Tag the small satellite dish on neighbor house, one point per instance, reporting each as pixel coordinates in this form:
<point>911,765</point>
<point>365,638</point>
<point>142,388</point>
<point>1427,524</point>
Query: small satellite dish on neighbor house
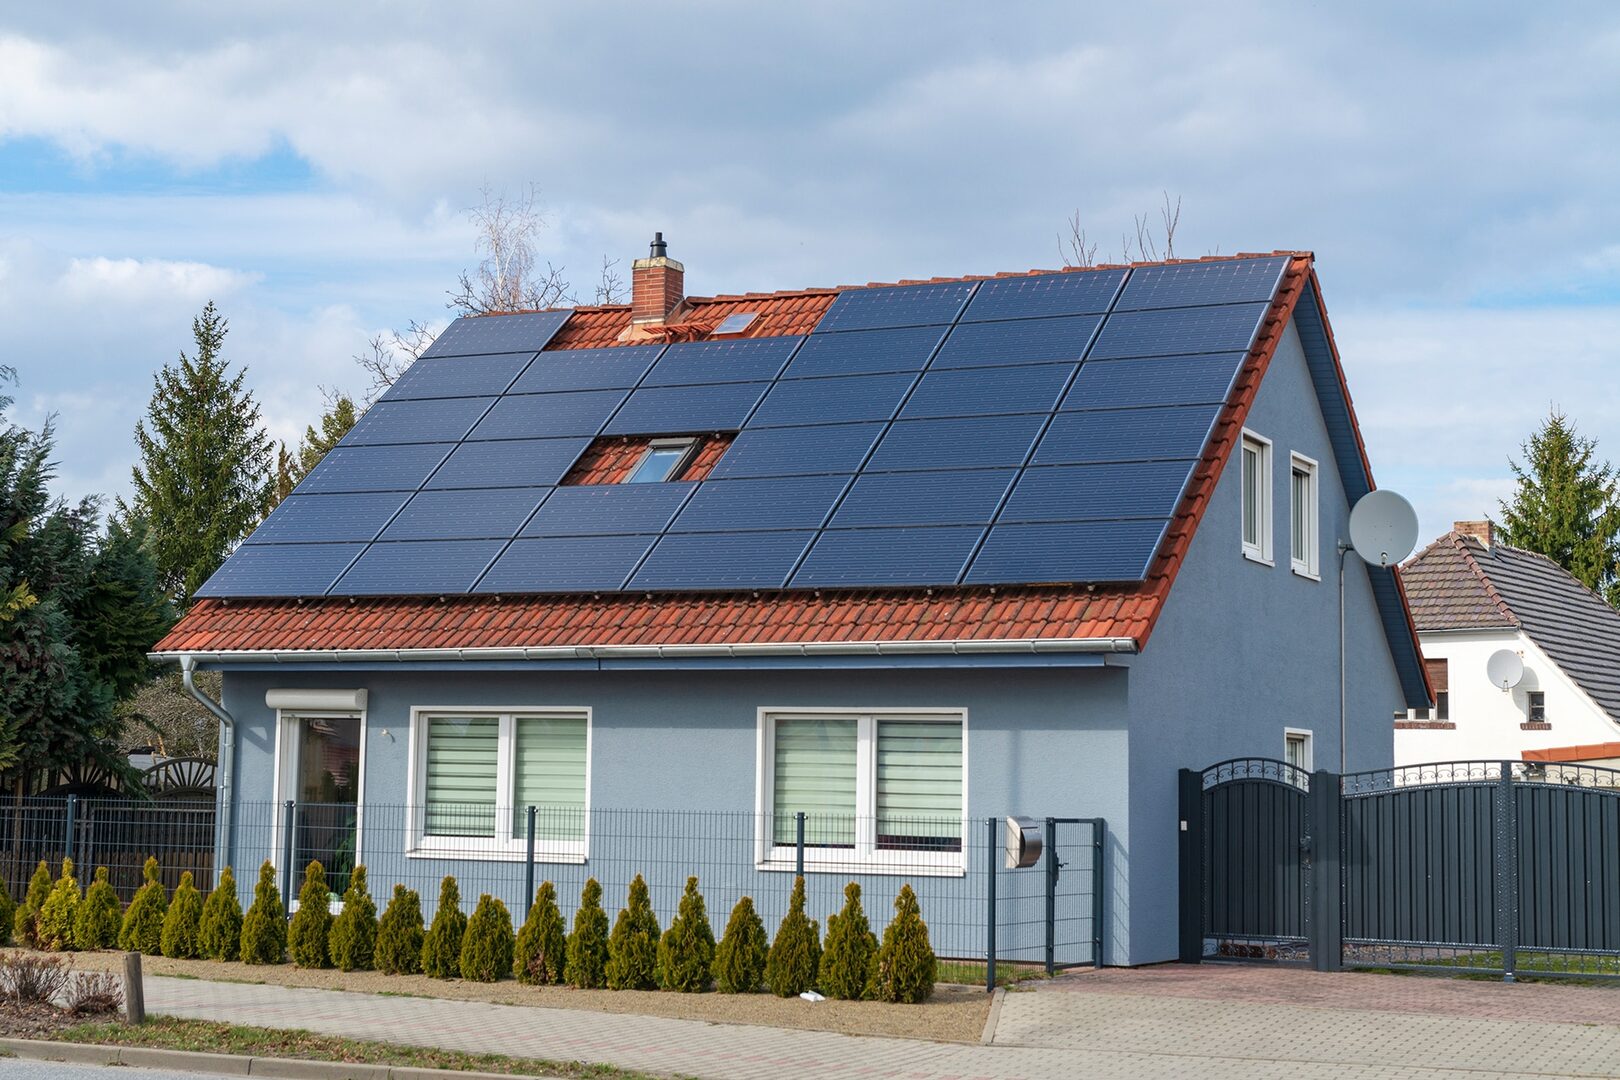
<point>1504,669</point>
<point>1383,528</point>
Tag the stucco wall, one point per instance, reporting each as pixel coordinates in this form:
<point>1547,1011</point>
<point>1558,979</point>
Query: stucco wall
<point>1244,650</point>
<point>1488,720</point>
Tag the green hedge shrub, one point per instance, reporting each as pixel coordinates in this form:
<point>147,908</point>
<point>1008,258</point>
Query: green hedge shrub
<point>8,914</point>
<point>633,948</point>
<point>588,944</point>
<point>542,945</point>
<point>353,941</point>
<point>486,947</point>
<point>221,935</point>
<point>60,911</point>
<point>400,934</point>
<point>264,928</point>
<point>739,959</point>
<point>846,963</point>
<point>100,915</point>
<point>312,922</point>
<point>686,951</point>
<point>905,962</point>
<point>441,950</point>
<point>25,921</point>
<point>182,926</point>
<point>790,967</point>
<point>142,931</point>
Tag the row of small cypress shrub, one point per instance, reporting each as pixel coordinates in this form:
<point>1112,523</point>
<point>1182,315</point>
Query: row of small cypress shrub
<point>634,955</point>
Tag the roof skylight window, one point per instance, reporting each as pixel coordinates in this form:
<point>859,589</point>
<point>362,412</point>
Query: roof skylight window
<point>663,460</point>
<point>735,324</point>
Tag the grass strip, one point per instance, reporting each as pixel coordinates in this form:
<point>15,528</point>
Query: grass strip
<point>206,1036</point>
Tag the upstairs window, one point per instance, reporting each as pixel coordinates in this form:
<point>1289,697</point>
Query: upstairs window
<point>1303,516</point>
<point>1256,481</point>
<point>662,461</point>
<point>1536,706</point>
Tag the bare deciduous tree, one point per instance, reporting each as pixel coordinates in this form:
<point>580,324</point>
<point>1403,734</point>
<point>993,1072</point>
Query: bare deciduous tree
<point>386,357</point>
<point>610,287</point>
<point>1078,249</point>
<point>508,277</point>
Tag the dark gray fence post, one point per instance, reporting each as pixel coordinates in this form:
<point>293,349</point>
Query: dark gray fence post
<point>1326,928</point>
<point>72,829</point>
<point>990,910</point>
<point>287,856</point>
<point>1506,812</point>
<point>1051,895</point>
<point>1190,788</point>
<point>798,844</point>
<point>1099,871</point>
<point>528,868</point>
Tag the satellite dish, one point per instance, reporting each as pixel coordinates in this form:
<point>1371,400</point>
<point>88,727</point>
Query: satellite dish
<point>1383,528</point>
<point>1504,669</point>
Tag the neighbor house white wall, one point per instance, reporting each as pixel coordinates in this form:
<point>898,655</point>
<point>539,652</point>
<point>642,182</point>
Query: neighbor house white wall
<point>1487,723</point>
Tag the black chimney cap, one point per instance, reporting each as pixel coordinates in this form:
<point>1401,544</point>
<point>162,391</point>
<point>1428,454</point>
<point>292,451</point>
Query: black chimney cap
<point>659,248</point>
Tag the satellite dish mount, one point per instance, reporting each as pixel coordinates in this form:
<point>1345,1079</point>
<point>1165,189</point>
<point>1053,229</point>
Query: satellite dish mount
<point>1504,668</point>
<point>1383,531</point>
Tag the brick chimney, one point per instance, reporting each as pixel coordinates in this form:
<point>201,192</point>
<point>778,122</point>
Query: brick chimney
<point>657,285</point>
<point>1479,530</point>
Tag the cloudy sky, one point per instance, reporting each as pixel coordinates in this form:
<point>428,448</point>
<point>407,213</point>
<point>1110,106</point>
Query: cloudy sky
<point>1454,166</point>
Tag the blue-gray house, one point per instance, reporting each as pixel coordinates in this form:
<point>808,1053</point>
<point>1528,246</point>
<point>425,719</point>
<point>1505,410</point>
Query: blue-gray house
<point>897,558</point>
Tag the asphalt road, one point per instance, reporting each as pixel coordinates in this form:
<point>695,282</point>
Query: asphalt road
<point>14,1069</point>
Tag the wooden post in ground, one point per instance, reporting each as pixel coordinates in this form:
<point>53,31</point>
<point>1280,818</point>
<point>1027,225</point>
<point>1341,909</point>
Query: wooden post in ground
<point>134,993</point>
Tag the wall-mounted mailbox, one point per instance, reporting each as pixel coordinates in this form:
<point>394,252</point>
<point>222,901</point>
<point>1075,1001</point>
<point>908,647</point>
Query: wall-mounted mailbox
<point>1023,842</point>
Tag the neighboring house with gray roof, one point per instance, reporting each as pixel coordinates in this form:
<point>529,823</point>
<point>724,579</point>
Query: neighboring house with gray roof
<point>1472,596</point>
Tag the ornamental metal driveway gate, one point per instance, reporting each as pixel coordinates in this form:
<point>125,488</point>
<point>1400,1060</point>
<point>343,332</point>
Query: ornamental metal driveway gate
<point>1501,867</point>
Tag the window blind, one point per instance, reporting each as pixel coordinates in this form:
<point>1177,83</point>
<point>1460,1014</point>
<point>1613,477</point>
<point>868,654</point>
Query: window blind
<point>548,772</point>
<point>815,774</point>
<point>1251,495</point>
<point>463,757</point>
<point>919,783</point>
<point>1301,512</point>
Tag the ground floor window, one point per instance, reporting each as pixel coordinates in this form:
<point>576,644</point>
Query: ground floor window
<point>874,787</point>
<point>477,772</point>
<point>1297,748</point>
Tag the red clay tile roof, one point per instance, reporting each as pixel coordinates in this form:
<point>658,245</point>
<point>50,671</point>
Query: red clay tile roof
<point>610,458</point>
<point>897,615</point>
<point>1448,591</point>
<point>1584,752</point>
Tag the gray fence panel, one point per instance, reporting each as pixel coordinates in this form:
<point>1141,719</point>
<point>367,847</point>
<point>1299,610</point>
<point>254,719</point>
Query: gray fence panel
<point>1254,864</point>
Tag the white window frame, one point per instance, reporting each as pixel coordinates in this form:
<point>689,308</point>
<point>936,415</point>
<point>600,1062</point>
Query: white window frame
<point>864,858</point>
<point>1308,737</point>
<point>286,772</point>
<point>684,445</point>
<point>1260,551</point>
<point>503,846</point>
<point>1306,564</point>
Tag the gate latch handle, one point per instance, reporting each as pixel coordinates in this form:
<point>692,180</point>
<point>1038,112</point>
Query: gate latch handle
<point>1305,844</point>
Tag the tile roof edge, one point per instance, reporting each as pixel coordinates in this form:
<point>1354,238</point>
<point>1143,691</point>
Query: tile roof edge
<point>1455,539</point>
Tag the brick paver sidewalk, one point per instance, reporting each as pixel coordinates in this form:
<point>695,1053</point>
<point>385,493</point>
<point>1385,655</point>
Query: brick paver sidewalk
<point>1042,1035</point>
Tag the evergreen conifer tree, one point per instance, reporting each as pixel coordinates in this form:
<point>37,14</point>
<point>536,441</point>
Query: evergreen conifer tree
<point>542,945</point>
<point>264,927</point>
<point>633,947</point>
<point>795,956</point>
<point>182,926</point>
<point>8,914</point>
<point>60,911</point>
<point>25,921</point>
<point>486,947</point>
<point>143,923</point>
<point>400,934</point>
<point>312,922</point>
<point>1566,506</point>
<point>221,934</point>
<point>441,949</point>
<point>354,932</point>
<point>100,915</point>
<point>588,943</point>
<point>851,948</point>
<point>686,951</point>
<point>739,959</point>
<point>905,967</point>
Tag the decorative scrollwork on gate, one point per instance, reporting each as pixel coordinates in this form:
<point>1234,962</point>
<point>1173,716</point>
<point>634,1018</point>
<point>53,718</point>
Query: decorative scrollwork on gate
<point>1278,772</point>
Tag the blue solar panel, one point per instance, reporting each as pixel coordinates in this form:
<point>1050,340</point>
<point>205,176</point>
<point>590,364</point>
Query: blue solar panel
<point>670,410</point>
<point>587,369</point>
<point>975,391</point>
<point>832,401</point>
<point>534,416</point>
<point>465,515</point>
<point>866,557</point>
<point>519,463</point>
<point>565,564</point>
<point>313,519</point>
<point>965,497</point>
<point>957,443</point>
<point>798,451</point>
<point>1126,435</point>
<point>747,360</point>
<point>756,560</point>
<point>1024,341</point>
<point>374,468</point>
<point>1227,281</point>
<point>1178,330</point>
<point>798,502</point>
<point>458,376</point>
<point>600,509</point>
<point>900,305</point>
<point>418,568</point>
<point>280,570</point>
<point>1039,295</point>
<point>865,353</point>
<point>434,420</point>
<point>1073,551</point>
<point>1093,492</point>
<point>498,333</point>
<point>1159,380</point>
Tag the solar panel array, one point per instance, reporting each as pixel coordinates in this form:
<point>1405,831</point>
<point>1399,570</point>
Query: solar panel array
<point>1017,430</point>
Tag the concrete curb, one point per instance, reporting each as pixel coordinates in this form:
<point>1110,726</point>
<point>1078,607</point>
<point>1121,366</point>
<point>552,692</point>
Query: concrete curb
<point>232,1064</point>
<point>990,1021</point>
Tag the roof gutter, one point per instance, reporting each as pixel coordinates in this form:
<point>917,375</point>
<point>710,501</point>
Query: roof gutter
<point>227,747</point>
<point>647,652</point>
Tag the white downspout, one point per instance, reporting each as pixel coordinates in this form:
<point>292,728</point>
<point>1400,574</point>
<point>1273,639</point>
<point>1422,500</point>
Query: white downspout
<point>227,752</point>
